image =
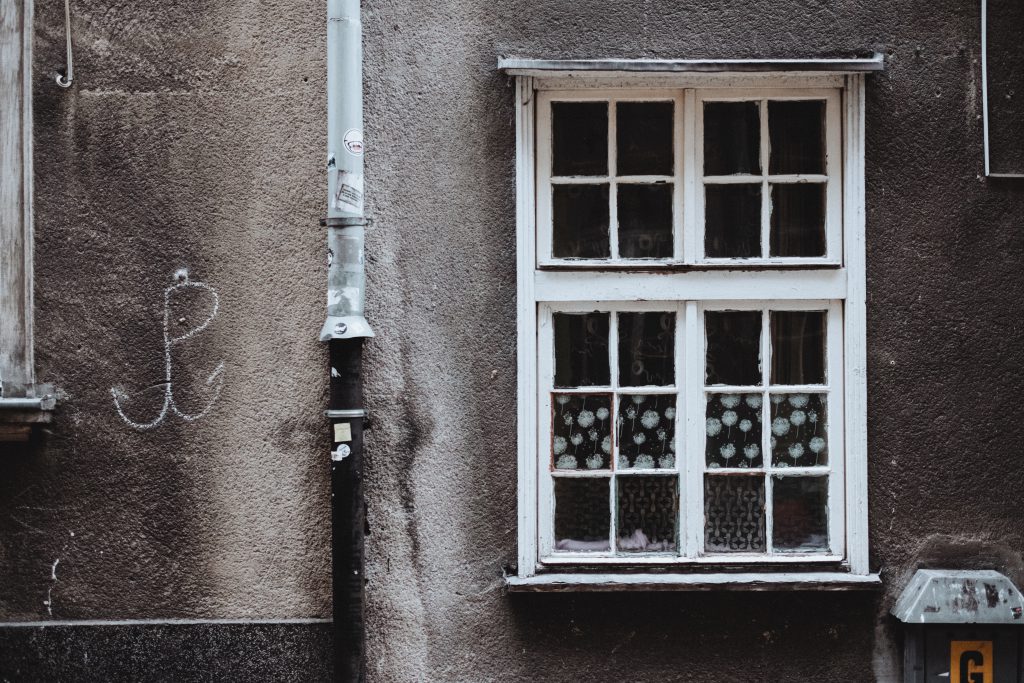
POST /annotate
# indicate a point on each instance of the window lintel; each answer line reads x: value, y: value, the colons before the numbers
x: 519, y: 66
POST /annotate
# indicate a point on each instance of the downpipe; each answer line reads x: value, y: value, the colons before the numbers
x: 344, y: 331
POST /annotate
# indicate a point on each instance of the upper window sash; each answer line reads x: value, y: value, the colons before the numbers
x: 686, y: 183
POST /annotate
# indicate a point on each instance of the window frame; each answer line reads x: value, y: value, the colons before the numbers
x: 839, y: 280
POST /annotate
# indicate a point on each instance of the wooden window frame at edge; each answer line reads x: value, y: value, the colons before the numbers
x: 854, y: 570
x: 24, y: 403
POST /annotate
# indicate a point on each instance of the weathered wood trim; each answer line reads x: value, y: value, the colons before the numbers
x: 526, y: 308
x: 17, y: 364
x: 517, y: 66
x: 855, y: 337
x: 818, y: 581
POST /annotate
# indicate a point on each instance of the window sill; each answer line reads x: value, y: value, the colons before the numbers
x: 18, y: 416
x: 810, y: 581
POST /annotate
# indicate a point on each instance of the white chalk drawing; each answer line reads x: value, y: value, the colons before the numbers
x: 215, y: 380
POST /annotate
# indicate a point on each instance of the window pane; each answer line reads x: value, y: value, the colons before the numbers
x: 798, y: 220
x: 580, y: 138
x: 734, y: 513
x: 732, y: 221
x: 733, y: 427
x: 646, y: 349
x: 644, y: 138
x: 798, y: 347
x: 797, y: 134
x: 580, y: 221
x: 646, y: 432
x: 581, y: 350
x: 732, y: 138
x: 733, y: 347
x: 582, y: 514
x: 645, y: 221
x: 581, y: 431
x: 800, y: 513
x: 799, y: 430
x: 648, y: 514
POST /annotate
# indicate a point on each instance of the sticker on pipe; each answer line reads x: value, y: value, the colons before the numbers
x: 353, y: 141
x: 349, y: 195
x: 342, y: 432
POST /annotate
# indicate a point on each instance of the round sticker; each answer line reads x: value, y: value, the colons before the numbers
x: 354, y: 142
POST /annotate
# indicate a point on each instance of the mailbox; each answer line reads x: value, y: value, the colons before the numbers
x: 961, y: 627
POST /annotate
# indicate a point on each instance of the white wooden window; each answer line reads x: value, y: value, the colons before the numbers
x: 691, y: 325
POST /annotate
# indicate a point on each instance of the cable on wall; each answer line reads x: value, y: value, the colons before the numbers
x: 64, y: 80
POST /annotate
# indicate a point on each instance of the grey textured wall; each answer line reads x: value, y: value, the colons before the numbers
x: 194, y: 137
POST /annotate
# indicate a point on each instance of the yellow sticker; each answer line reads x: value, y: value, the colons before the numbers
x: 970, y: 661
x: 342, y: 432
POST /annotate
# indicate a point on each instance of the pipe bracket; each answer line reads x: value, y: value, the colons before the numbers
x: 350, y: 414
x: 344, y: 222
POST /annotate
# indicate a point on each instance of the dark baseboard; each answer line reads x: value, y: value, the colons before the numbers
x: 176, y: 651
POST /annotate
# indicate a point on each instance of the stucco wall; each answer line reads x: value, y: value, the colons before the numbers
x: 194, y: 138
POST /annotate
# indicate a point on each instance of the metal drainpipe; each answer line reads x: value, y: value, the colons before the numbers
x: 344, y: 331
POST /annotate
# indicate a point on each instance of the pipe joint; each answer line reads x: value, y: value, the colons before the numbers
x: 345, y: 327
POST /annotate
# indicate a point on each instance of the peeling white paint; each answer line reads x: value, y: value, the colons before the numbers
x: 351, y: 296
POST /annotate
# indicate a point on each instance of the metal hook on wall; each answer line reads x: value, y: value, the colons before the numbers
x: 63, y: 80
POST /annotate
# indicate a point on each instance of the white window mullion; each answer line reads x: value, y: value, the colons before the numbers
x: 680, y: 432
x: 836, y: 433
x: 539, y: 178
x: 766, y: 190
x: 613, y: 368
x: 834, y: 171
x: 766, y: 455
x: 613, y: 188
x: 545, y: 383
x: 693, y: 452
x: 695, y: 174
x: 682, y: 227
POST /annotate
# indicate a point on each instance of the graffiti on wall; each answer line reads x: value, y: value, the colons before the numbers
x: 215, y: 380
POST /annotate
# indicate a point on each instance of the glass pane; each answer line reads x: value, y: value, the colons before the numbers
x: 732, y: 138
x: 734, y: 514
x: 798, y: 220
x: 733, y: 427
x: 644, y: 138
x: 645, y: 221
x: 579, y: 217
x: 646, y: 432
x: 581, y: 350
x: 648, y: 514
x: 579, y: 138
x: 647, y: 349
x: 800, y: 513
x: 582, y: 514
x: 733, y: 347
x: 797, y: 134
x: 732, y: 221
x: 799, y: 430
x: 581, y: 431
x: 798, y: 347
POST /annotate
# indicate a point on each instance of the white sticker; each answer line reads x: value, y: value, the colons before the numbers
x: 354, y: 142
x: 349, y: 195
x: 342, y: 432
